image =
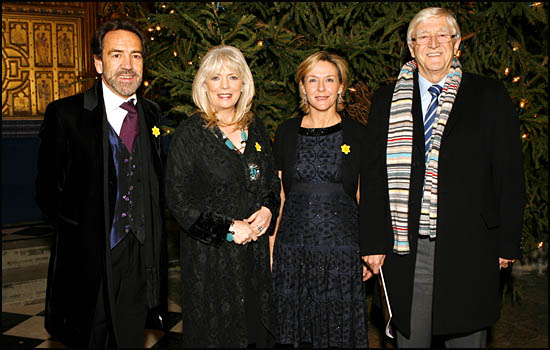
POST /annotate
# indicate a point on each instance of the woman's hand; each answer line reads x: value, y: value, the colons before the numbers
x: 260, y: 220
x: 243, y: 232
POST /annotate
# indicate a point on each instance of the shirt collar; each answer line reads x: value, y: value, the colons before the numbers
x: 424, y: 84
x: 112, y: 100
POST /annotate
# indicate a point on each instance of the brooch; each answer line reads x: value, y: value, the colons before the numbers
x: 258, y: 147
x: 156, y: 131
x: 345, y: 148
x: 253, y: 171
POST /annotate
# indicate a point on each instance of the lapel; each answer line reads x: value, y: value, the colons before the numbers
x: 94, y: 112
x: 292, y: 143
x: 457, y: 107
x: 148, y: 120
x: 348, y: 139
x: 289, y: 152
x: 253, y: 137
x: 94, y: 115
x: 251, y: 155
x: 95, y: 118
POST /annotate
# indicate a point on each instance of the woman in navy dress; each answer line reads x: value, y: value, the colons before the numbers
x: 316, y: 265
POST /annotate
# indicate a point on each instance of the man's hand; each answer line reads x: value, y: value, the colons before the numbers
x: 505, y: 263
x: 372, y: 264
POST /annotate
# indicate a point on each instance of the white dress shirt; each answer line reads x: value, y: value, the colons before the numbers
x: 115, y: 114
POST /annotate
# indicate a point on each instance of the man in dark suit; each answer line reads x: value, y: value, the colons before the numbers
x: 99, y: 174
x: 442, y: 195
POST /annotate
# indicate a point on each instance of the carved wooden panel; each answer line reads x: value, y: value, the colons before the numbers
x: 42, y: 50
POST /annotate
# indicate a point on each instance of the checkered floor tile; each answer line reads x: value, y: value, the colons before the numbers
x: 23, y: 328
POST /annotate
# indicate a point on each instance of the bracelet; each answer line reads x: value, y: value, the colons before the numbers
x: 229, y: 236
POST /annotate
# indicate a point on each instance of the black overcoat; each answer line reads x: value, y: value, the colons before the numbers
x: 76, y: 190
x: 480, y: 205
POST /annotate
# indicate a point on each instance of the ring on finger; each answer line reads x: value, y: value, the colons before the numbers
x: 260, y: 228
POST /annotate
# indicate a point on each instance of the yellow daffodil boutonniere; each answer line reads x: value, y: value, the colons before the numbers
x: 345, y: 148
x: 258, y: 147
x: 156, y: 131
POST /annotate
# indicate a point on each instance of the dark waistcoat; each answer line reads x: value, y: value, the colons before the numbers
x: 129, y: 212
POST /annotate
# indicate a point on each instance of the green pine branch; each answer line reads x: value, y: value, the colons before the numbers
x: 501, y: 40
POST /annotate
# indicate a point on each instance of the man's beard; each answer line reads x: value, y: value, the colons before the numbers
x: 123, y: 89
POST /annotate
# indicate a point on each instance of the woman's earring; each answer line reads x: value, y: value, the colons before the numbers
x: 304, y: 99
x: 339, y: 98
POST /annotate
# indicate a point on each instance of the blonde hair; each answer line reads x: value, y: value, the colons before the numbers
x: 307, y: 65
x: 213, y: 62
x: 428, y: 12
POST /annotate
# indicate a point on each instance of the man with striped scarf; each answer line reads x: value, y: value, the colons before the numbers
x: 442, y: 191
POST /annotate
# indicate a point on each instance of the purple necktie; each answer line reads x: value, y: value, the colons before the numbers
x: 130, y: 126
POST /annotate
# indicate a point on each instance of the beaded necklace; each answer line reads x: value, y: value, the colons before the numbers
x: 230, y: 144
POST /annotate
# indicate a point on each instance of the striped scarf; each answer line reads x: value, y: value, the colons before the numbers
x: 399, y: 153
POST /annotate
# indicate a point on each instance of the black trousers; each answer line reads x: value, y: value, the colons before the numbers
x: 130, y: 300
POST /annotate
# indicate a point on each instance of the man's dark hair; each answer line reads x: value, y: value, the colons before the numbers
x: 116, y: 24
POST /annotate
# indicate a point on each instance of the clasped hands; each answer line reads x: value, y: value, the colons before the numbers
x: 251, y: 228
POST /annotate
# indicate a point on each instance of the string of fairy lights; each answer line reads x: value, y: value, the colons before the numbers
x: 522, y: 101
x: 157, y: 30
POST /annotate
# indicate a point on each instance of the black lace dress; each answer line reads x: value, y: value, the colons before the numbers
x: 226, y: 288
x: 317, y: 269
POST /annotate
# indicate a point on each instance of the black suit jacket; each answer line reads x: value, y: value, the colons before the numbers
x: 76, y: 190
x: 481, y: 197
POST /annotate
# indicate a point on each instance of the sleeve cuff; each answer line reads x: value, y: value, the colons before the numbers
x: 210, y: 228
x: 272, y: 203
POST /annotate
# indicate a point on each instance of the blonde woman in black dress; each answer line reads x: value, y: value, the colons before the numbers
x: 317, y: 269
x: 222, y: 188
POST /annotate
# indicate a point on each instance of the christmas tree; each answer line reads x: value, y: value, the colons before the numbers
x: 502, y: 40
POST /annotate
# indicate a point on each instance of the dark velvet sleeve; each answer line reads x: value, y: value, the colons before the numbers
x: 271, y: 184
x: 183, y: 190
x: 52, y: 156
x: 210, y: 228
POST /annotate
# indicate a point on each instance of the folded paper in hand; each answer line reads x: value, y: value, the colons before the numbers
x: 386, y: 308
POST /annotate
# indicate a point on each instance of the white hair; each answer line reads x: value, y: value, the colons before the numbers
x: 428, y: 12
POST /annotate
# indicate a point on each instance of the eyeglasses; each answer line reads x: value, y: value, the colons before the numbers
x: 441, y: 38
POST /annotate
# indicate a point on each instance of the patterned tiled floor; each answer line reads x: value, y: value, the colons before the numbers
x: 522, y: 325
x: 23, y: 328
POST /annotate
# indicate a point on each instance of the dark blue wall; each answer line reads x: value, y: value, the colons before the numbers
x: 20, y: 145
x: 19, y: 156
